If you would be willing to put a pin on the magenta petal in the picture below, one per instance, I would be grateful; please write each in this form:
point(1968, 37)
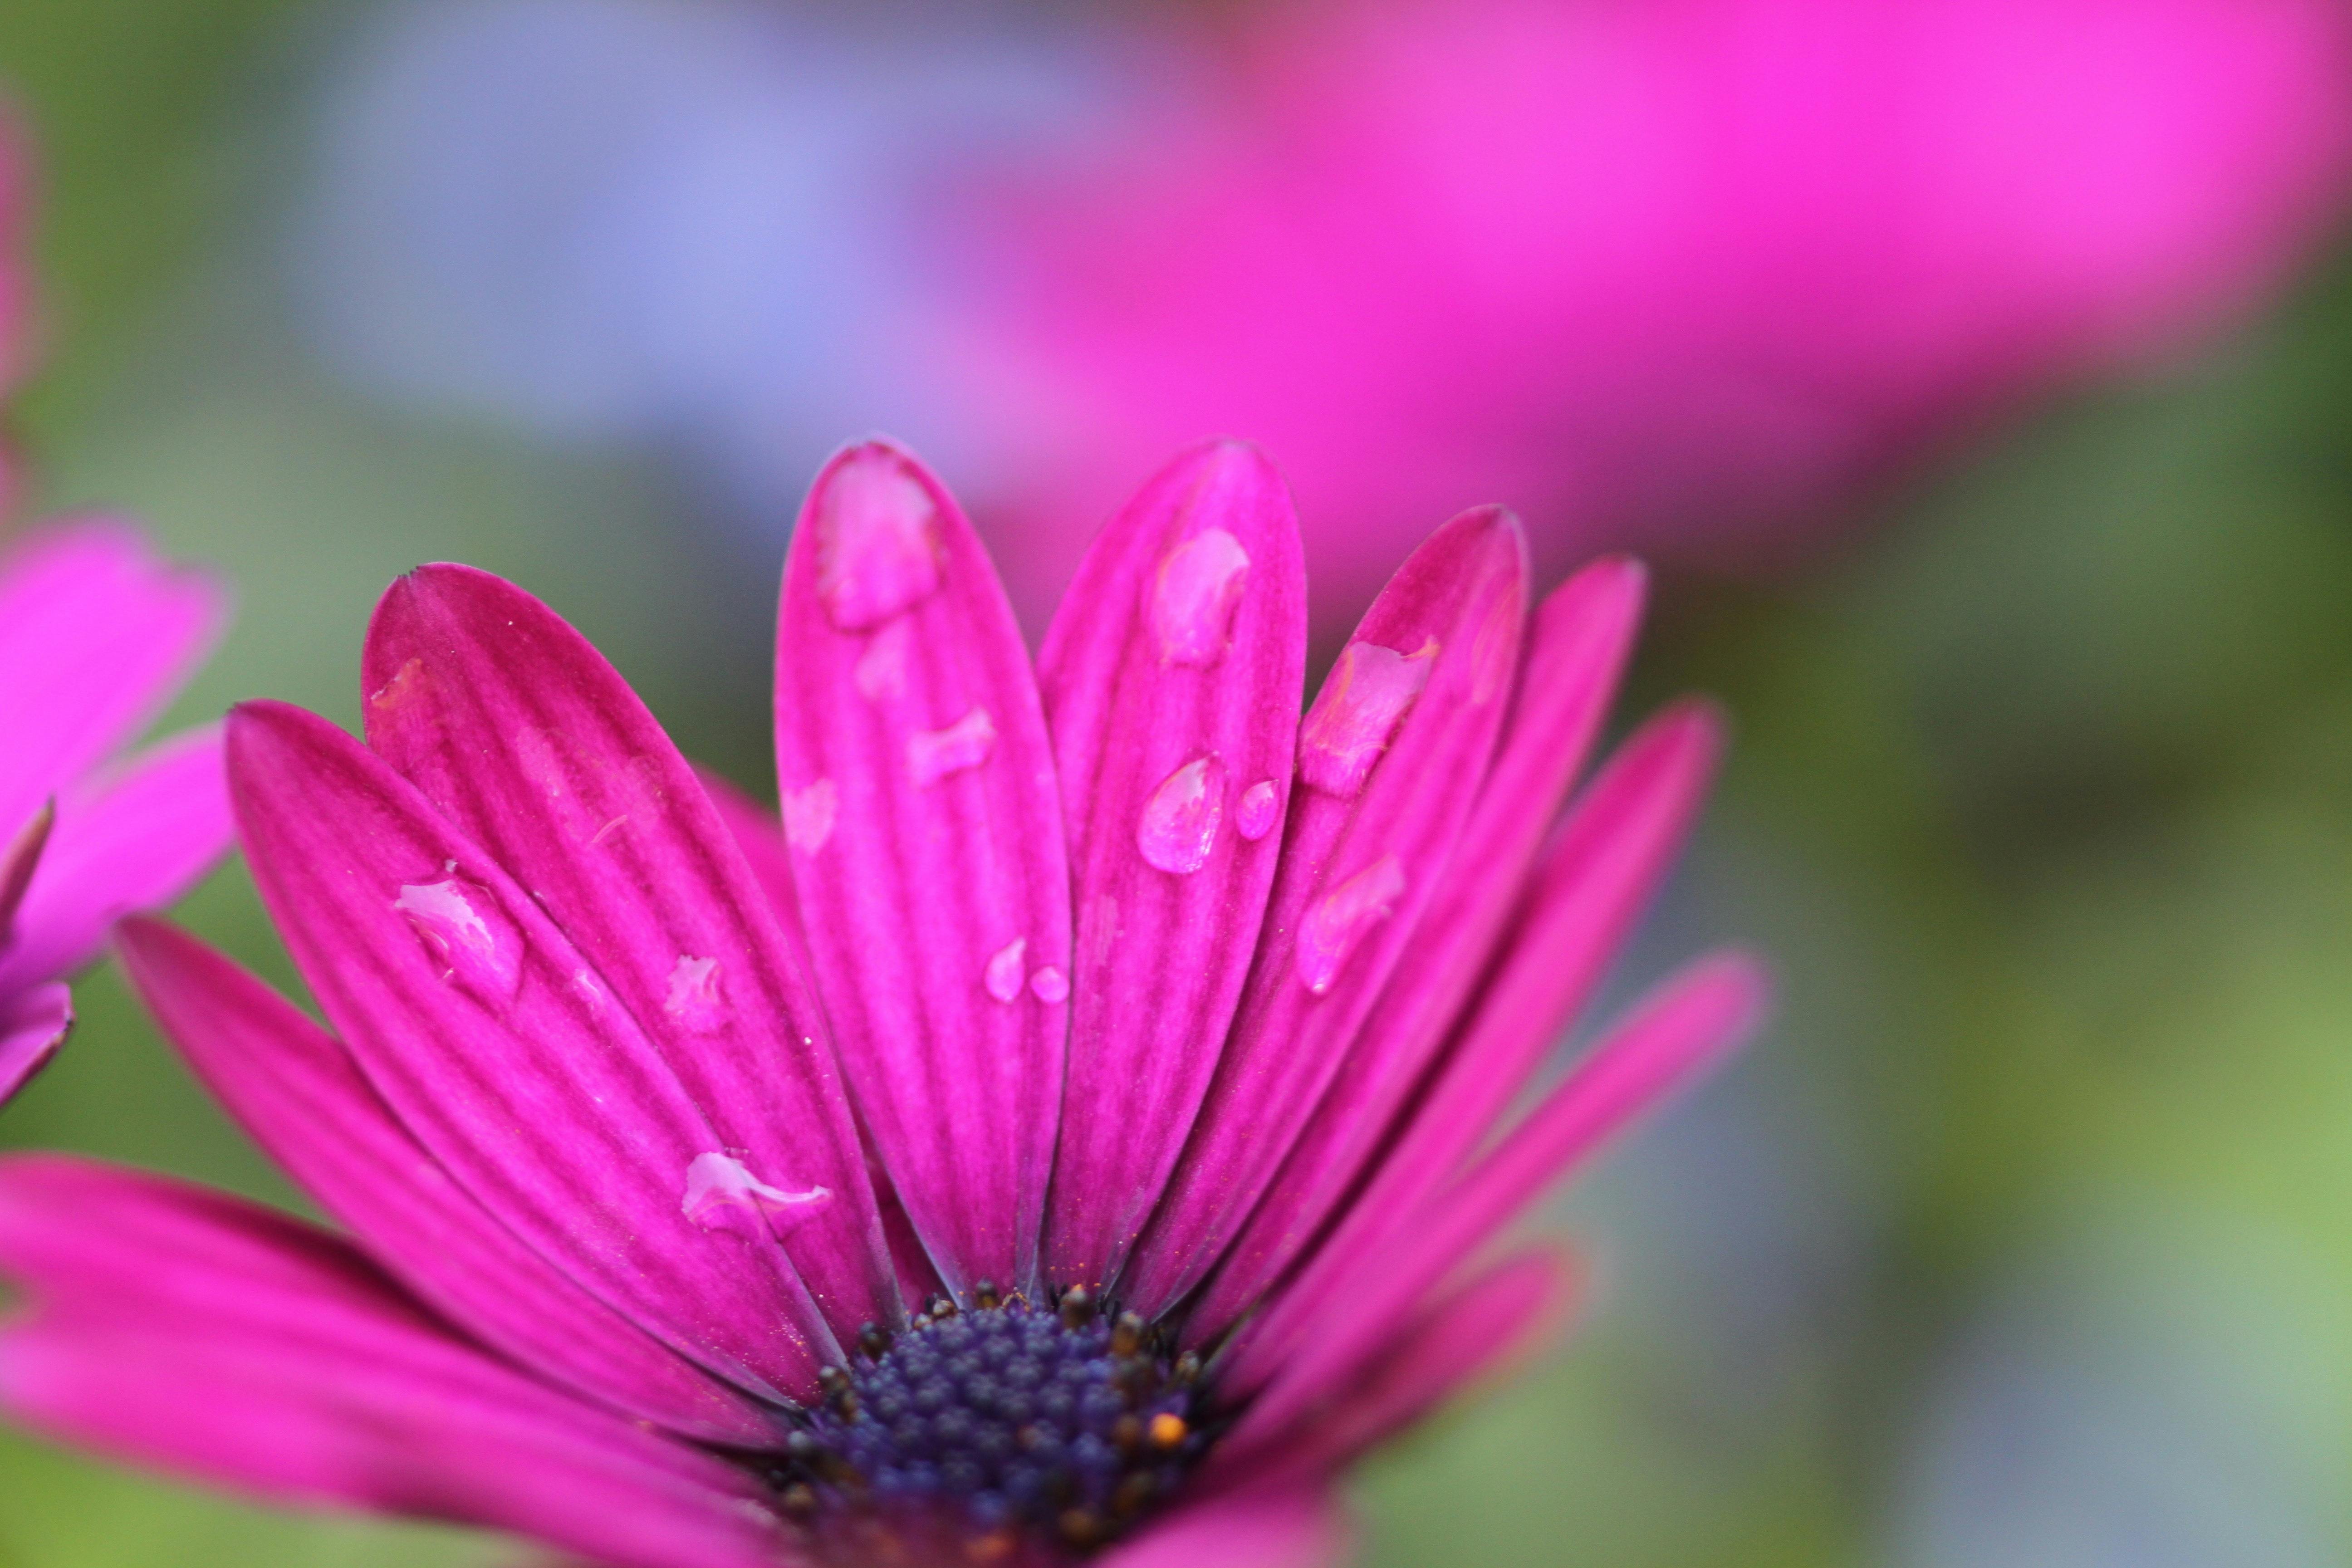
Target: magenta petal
point(1579, 643)
point(295, 1089)
point(760, 838)
point(920, 802)
point(1688, 1026)
point(1597, 875)
point(136, 840)
point(499, 1048)
point(33, 1023)
point(96, 633)
point(184, 1329)
point(16, 864)
point(1171, 679)
point(1464, 1337)
point(1298, 1527)
point(1399, 755)
point(527, 740)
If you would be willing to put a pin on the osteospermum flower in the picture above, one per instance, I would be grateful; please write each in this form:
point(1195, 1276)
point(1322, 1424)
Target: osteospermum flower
point(1069, 1130)
point(96, 634)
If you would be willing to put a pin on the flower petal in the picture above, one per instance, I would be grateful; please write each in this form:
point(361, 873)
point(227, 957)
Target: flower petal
point(1390, 759)
point(184, 1329)
point(531, 743)
point(928, 854)
point(33, 1023)
point(134, 841)
point(96, 633)
point(1579, 641)
point(1172, 681)
point(295, 1089)
point(499, 1047)
point(1492, 1321)
point(1286, 1528)
point(1689, 1025)
point(1598, 874)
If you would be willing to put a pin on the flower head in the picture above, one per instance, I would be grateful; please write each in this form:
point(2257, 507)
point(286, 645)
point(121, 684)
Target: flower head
point(1068, 1130)
point(95, 635)
point(1680, 274)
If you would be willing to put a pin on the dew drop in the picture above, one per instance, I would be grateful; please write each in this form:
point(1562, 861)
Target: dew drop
point(878, 549)
point(1004, 974)
point(1179, 824)
point(406, 685)
point(1260, 805)
point(1357, 713)
point(693, 998)
point(809, 815)
point(1341, 919)
point(1194, 594)
point(933, 754)
point(1049, 985)
point(721, 1195)
point(468, 935)
point(881, 672)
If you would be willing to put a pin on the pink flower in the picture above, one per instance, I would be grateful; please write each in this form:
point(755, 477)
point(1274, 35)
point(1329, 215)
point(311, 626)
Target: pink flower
point(1068, 1129)
point(96, 634)
point(1672, 274)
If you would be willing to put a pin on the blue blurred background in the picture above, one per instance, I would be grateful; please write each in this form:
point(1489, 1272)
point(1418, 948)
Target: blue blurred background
point(2009, 511)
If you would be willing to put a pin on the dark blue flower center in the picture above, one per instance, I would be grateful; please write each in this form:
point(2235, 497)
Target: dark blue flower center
point(995, 1432)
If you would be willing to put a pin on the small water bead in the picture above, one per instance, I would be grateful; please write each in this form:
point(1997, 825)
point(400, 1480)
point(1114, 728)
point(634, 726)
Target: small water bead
point(881, 671)
point(723, 1196)
point(810, 813)
point(933, 754)
point(1004, 974)
point(1261, 804)
point(1342, 918)
point(878, 549)
point(1049, 985)
point(693, 998)
point(1194, 595)
point(468, 935)
point(1177, 828)
point(1356, 715)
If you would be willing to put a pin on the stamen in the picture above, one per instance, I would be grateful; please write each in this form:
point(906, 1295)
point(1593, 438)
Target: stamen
point(973, 1430)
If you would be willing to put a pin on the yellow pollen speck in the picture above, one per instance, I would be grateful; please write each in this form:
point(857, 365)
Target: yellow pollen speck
point(1168, 1429)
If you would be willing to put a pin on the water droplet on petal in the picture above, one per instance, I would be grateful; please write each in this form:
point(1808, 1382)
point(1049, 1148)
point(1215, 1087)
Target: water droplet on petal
point(721, 1195)
point(809, 815)
point(693, 998)
point(1179, 824)
point(1194, 594)
point(881, 672)
point(1004, 975)
point(1254, 818)
point(406, 685)
point(591, 991)
point(1341, 919)
point(878, 548)
point(1357, 713)
point(1049, 985)
point(468, 935)
point(933, 754)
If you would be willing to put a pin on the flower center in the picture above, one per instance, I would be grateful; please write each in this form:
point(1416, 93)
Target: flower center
point(1010, 1431)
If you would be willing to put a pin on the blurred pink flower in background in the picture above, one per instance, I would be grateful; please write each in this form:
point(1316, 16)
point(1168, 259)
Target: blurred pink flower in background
point(1685, 275)
point(97, 633)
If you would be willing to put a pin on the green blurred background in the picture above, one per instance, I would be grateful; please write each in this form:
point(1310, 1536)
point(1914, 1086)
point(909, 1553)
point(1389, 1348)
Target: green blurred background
point(2033, 1203)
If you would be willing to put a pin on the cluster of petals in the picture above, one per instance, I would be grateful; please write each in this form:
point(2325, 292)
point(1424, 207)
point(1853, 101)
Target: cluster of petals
point(1672, 275)
point(96, 635)
point(639, 1106)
